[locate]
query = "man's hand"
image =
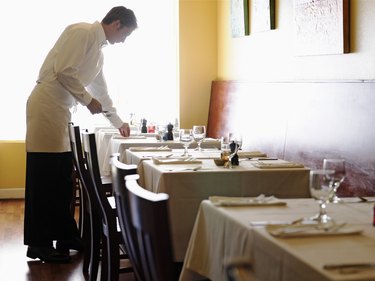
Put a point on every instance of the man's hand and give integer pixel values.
(124, 130)
(94, 106)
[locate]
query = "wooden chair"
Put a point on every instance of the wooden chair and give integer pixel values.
(150, 219)
(112, 241)
(239, 269)
(91, 227)
(119, 170)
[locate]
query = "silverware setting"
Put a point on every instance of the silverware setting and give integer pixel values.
(184, 169)
(349, 268)
(297, 227)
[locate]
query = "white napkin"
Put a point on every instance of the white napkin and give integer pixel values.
(167, 160)
(149, 148)
(308, 230)
(269, 164)
(250, 154)
(117, 136)
(261, 200)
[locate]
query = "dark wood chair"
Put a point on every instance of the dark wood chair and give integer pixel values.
(113, 246)
(150, 219)
(239, 269)
(91, 227)
(119, 170)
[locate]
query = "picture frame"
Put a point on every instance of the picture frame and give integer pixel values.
(239, 15)
(321, 27)
(262, 15)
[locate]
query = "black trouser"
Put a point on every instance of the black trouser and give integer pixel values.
(49, 191)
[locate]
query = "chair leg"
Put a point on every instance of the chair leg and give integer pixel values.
(113, 260)
(95, 246)
(86, 237)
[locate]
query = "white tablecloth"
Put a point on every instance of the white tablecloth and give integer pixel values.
(188, 188)
(134, 157)
(108, 141)
(223, 233)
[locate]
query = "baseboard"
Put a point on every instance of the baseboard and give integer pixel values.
(12, 193)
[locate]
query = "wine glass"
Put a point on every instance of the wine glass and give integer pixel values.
(186, 137)
(338, 166)
(199, 133)
(321, 188)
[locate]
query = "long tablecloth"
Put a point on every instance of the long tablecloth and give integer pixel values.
(109, 141)
(188, 188)
(223, 233)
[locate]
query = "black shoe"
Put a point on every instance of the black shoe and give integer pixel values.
(63, 246)
(47, 254)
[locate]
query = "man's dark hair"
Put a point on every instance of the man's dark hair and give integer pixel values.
(126, 16)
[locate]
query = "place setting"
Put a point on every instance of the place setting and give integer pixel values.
(322, 188)
(261, 200)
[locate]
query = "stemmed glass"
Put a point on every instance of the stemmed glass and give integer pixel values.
(338, 166)
(321, 188)
(186, 138)
(199, 133)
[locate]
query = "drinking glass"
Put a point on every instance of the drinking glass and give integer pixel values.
(186, 138)
(161, 129)
(338, 166)
(225, 149)
(199, 133)
(321, 189)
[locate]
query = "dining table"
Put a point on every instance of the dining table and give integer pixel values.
(188, 181)
(281, 241)
(109, 141)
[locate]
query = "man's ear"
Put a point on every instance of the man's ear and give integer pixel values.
(117, 24)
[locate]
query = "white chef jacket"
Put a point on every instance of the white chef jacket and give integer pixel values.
(71, 73)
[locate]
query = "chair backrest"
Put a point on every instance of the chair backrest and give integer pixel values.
(91, 156)
(239, 269)
(119, 170)
(76, 146)
(80, 165)
(150, 219)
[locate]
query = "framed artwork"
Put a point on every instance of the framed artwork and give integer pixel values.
(239, 15)
(262, 15)
(321, 27)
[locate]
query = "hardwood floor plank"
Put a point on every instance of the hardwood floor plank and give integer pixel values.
(14, 265)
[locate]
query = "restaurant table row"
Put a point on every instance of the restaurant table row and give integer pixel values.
(224, 233)
(188, 184)
(109, 141)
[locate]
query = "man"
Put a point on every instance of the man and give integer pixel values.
(71, 73)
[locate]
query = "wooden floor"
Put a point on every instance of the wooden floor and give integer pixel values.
(14, 265)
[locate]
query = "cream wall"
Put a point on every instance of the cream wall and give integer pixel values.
(268, 56)
(12, 169)
(198, 59)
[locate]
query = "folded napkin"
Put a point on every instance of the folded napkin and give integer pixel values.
(261, 200)
(273, 165)
(117, 136)
(308, 230)
(149, 148)
(210, 140)
(250, 154)
(168, 160)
